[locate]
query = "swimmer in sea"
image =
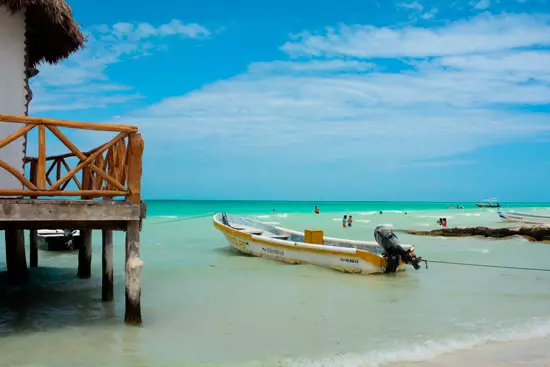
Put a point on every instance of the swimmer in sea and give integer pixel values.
(344, 220)
(349, 221)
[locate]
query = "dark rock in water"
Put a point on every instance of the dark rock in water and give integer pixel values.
(532, 233)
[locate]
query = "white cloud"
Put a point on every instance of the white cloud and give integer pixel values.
(311, 66)
(335, 110)
(430, 14)
(81, 81)
(482, 4)
(138, 31)
(414, 5)
(483, 33)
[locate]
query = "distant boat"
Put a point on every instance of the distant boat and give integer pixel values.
(311, 247)
(488, 203)
(524, 218)
(58, 239)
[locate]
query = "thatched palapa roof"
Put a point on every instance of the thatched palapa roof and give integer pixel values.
(52, 33)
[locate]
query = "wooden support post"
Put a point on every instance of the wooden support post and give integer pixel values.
(33, 235)
(135, 153)
(15, 256)
(107, 266)
(133, 275)
(33, 247)
(85, 254)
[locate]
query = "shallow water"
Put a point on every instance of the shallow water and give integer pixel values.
(205, 304)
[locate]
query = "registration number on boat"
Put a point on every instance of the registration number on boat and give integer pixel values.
(352, 261)
(239, 243)
(273, 251)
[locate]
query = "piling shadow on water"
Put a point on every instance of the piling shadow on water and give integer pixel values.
(55, 298)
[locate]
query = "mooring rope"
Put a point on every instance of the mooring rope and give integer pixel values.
(183, 219)
(483, 265)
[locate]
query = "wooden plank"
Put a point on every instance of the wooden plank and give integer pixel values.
(135, 153)
(41, 167)
(132, 315)
(69, 124)
(87, 162)
(16, 135)
(115, 225)
(88, 193)
(85, 254)
(107, 286)
(65, 210)
(19, 176)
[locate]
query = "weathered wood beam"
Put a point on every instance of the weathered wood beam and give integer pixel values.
(133, 275)
(61, 192)
(67, 123)
(85, 254)
(107, 287)
(67, 210)
(135, 153)
(114, 225)
(15, 256)
(33, 248)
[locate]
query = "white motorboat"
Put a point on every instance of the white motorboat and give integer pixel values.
(524, 218)
(312, 247)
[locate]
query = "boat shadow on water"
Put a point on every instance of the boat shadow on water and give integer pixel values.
(54, 298)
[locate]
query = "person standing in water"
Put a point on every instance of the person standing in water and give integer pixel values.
(344, 220)
(316, 210)
(349, 221)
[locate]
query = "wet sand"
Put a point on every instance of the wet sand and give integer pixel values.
(527, 353)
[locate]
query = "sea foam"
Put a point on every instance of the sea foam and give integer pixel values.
(426, 350)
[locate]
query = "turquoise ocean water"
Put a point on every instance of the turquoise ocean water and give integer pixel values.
(206, 305)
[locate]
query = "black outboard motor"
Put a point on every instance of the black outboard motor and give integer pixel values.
(393, 251)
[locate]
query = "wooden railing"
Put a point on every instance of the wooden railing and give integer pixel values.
(110, 170)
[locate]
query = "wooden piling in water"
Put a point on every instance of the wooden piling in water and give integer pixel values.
(33, 248)
(15, 256)
(107, 287)
(85, 254)
(133, 275)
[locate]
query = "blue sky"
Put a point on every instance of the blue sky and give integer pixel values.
(318, 100)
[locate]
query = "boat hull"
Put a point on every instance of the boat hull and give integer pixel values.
(349, 260)
(525, 218)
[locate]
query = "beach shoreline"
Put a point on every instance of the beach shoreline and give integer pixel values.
(532, 352)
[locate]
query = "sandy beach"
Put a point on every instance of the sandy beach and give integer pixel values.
(529, 353)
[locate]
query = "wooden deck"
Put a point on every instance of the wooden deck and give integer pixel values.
(105, 195)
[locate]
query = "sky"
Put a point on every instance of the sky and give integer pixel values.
(317, 100)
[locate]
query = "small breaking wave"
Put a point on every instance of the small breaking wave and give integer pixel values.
(367, 213)
(471, 214)
(165, 216)
(272, 223)
(263, 216)
(363, 220)
(282, 215)
(386, 225)
(426, 350)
